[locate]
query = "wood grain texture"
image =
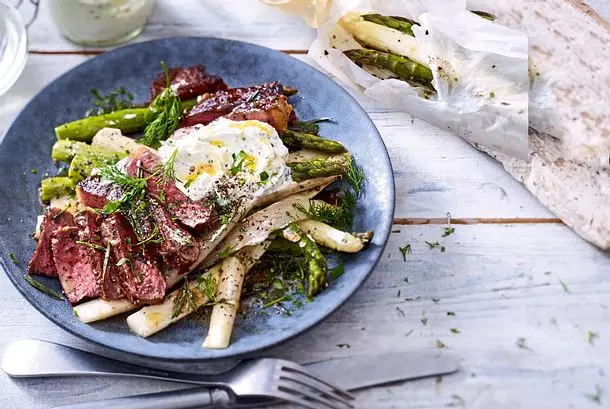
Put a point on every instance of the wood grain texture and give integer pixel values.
(502, 282)
(435, 171)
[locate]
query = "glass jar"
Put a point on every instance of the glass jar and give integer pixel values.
(100, 22)
(13, 46)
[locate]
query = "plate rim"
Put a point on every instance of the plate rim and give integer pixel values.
(280, 340)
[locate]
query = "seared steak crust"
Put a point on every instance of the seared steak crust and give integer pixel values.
(42, 260)
(188, 82)
(265, 103)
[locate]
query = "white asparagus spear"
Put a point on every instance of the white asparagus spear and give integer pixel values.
(228, 293)
(152, 319)
(335, 239)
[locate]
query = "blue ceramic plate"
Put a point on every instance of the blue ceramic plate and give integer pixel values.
(27, 145)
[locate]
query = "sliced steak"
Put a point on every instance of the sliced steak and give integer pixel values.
(137, 271)
(188, 82)
(178, 248)
(79, 266)
(265, 103)
(42, 260)
(94, 192)
(197, 216)
(89, 224)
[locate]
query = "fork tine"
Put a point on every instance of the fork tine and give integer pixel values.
(288, 367)
(295, 390)
(314, 385)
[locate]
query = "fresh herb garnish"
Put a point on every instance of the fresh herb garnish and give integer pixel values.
(42, 288)
(404, 250)
(339, 217)
(167, 106)
(154, 237)
(92, 245)
(167, 171)
(492, 94)
(338, 270)
(264, 176)
(114, 101)
(451, 313)
(13, 258)
(134, 190)
(225, 252)
(440, 344)
(284, 297)
(455, 331)
(34, 171)
(597, 396)
(343, 346)
(591, 336)
(207, 283)
(432, 244)
(183, 299)
(310, 127)
(447, 231)
(241, 160)
(355, 176)
(564, 286)
(225, 219)
(424, 319)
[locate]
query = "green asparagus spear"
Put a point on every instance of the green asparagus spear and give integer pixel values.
(485, 15)
(55, 187)
(316, 263)
(83, 163)
(404, 68)
(332, 165)
(127, 120)
(65, 149)
(402, 24)
(296, 139)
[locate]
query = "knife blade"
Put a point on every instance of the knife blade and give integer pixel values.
(34, 358)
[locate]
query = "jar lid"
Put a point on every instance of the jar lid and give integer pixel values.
(13, 46)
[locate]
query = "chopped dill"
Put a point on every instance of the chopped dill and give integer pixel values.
(404, 250)
(42, 288)
(440, 344)
(226, 252)
(92, 245)
(455, 331)
(432, 244)
(184, 299)
(207, 283)
(447, 231)
(113, 101)
(13, 258)
(339, 217)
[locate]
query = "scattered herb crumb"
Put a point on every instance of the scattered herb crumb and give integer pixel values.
(404, 250)
(597, 396)
(564, 286)
(443, 249)
(13, 258)
(451, 313)
(398, 294)
(457, 401)
(435, 300)
(591, 336)
(521, 343)
(424, 319)
(400, 312)
(343, 346)
(440, 344)
(34, 171)
(406, 280)
(75, 313)
(395, 231)
(448, 231)
(409, 333)
(455, 331)
(42, 288)
(547, 273)
(432, 244)
(492, 94)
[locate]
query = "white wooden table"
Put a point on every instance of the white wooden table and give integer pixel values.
(525, 340)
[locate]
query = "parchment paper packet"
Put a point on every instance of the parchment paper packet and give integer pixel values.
(479, 68)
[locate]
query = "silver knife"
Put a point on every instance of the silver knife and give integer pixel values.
(33, 358)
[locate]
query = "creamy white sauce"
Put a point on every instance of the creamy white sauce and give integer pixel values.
(245, 158)
(99, 22)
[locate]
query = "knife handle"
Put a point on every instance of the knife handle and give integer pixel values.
(192, 398)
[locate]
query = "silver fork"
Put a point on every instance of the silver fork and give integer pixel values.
(255, 379)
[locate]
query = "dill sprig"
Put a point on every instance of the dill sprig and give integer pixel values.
(134, 191)
(42, 288)
(185, 298)
(355, 177)
(207, 283)
(339, 217)
(167, 105)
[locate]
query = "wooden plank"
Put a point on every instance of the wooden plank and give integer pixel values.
(246, 20)
(502, 282)
(435, 171)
